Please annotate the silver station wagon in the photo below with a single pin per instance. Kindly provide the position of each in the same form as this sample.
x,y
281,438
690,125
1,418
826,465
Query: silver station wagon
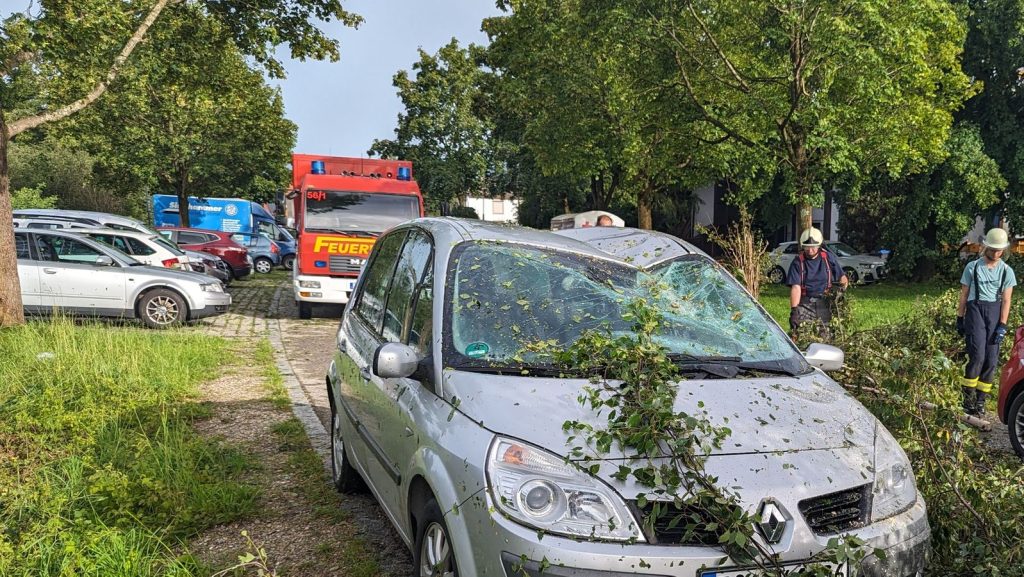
x,y
459,433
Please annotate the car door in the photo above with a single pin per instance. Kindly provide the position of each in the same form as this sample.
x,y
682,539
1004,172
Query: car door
x,y
360,389
32,298
401,404
71,273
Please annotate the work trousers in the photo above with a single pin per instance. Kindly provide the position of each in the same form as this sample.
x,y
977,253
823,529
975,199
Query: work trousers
x,y
815,312
980,323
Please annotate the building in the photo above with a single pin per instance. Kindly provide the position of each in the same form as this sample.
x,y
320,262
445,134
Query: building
x,y
496,209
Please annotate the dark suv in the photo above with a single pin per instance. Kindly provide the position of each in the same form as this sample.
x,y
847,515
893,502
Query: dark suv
x,y
213,242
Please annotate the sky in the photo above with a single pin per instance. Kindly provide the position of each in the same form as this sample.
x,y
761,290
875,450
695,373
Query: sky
x,y
341,107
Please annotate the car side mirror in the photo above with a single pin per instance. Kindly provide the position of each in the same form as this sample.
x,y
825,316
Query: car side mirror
x,y
103,260
825,357
394,361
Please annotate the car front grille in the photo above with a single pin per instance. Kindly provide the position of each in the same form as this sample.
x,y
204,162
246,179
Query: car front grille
x,y
674,525
837,512
346,264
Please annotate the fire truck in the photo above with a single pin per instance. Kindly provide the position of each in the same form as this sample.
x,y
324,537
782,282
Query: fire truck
x,y
339,207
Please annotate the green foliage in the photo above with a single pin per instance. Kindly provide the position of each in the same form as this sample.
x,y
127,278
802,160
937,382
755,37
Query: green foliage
x,y
65,171
31,198
439,130
974,496
102,472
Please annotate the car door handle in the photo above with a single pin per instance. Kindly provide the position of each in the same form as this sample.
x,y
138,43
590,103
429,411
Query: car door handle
x,y
50,270
365,373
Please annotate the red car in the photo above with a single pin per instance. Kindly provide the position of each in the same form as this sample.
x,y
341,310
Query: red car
x,y
1011,394
213,242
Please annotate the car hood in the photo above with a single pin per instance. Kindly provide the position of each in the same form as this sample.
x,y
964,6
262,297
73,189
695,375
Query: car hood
x,y
765,415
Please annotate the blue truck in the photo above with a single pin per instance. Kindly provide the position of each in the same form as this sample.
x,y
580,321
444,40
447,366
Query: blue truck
x,y
231,215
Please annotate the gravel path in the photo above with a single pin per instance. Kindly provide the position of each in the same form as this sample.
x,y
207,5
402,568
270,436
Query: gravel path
x,y
298,539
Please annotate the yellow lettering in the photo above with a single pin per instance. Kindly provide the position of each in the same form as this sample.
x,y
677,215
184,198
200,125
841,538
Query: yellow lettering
x,y
336,245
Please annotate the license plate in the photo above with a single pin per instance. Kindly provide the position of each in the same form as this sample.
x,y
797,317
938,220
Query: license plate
x,y
835,571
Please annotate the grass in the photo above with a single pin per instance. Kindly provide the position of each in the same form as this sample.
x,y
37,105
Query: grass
x,y
100,470
871,305
273,380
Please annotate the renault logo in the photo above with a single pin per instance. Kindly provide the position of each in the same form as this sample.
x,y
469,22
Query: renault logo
x,y
771,522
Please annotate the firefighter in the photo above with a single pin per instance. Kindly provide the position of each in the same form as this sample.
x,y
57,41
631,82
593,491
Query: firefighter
x,y
811,277
985,290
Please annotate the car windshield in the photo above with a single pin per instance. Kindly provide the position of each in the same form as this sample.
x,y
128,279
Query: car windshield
x,y
504,297
169,246
842,249
355,212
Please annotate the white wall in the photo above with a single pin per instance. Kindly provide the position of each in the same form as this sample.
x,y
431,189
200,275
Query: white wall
x,y
494,209
706,207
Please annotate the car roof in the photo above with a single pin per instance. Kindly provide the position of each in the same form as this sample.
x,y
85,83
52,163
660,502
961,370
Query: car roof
x,y
62,213
452,231
643,248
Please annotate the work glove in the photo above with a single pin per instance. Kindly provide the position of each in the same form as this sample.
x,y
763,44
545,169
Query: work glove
x,y
960,326
794,318
999,335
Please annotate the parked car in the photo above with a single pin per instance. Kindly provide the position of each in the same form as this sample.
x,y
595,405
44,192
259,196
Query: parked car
x,y
265,253
76,218
1010,404
47,223
70,273
458,430
859,267
213,242
155,250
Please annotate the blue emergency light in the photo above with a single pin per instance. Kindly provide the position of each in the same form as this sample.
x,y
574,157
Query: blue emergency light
x,y
318,167
320,264
404,173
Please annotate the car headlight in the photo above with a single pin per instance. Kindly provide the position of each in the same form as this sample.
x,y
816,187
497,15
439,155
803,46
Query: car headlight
x,y
895,490
213,288
539,489
309,284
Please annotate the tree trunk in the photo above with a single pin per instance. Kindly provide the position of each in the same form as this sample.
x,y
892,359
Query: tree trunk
x,y
11,310
806,220
643,207
183,208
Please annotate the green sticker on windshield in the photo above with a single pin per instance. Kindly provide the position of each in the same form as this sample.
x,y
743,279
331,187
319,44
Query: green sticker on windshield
x,y
477,350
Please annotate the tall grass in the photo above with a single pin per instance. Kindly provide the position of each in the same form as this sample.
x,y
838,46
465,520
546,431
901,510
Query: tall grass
x,y
871,306
100,470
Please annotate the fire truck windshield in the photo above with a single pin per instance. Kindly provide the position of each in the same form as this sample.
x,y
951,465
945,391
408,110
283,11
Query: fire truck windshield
x,y
339,211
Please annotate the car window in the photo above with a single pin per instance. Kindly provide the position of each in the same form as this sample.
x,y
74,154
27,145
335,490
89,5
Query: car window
x,y
44,225
191,238
112,240
841,249
63,249
378,278
791,249
138,247
159,240
21,246
408,273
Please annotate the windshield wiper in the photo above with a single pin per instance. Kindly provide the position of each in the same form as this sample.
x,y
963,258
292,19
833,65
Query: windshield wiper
x,y
520,371
724,366
688,358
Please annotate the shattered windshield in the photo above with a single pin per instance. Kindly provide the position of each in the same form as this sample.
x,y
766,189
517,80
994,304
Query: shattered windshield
x,y
504,297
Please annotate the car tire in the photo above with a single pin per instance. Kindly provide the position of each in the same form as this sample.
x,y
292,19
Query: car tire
x,y
343,475
776,275
433,553
162,308
851,275
1015,425
305,310
288,262
263,265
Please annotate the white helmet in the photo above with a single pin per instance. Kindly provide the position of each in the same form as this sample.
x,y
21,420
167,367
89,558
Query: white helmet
x,y
811,237
996,239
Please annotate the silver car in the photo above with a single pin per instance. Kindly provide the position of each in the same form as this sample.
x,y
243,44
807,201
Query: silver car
x,y
859,267
68,272
431,392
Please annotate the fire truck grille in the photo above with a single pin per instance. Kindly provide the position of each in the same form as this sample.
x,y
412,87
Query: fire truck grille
x,y
346,264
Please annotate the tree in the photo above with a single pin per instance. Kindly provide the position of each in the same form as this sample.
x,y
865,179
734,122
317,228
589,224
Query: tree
x,y
439,130
82,46
814,90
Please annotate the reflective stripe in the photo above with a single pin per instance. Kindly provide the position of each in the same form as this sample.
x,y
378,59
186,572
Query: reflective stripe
x,y
971,383
984,387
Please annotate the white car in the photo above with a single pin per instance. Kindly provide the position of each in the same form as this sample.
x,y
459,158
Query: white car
x,y
151,249
858,267
61,271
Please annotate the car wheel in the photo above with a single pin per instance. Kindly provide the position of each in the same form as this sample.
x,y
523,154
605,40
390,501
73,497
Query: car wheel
x,y
162,308
433,555
263,265
305,310
288,262
776,275
1015,423
851,275
346,479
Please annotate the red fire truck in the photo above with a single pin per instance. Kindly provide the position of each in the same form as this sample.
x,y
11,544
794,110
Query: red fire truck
x,y
340,206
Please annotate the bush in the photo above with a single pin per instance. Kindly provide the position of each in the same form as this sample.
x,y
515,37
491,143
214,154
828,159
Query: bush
x,y
31,198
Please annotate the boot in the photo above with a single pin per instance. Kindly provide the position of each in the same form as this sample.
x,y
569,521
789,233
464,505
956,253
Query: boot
x,y
979,405
969,394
